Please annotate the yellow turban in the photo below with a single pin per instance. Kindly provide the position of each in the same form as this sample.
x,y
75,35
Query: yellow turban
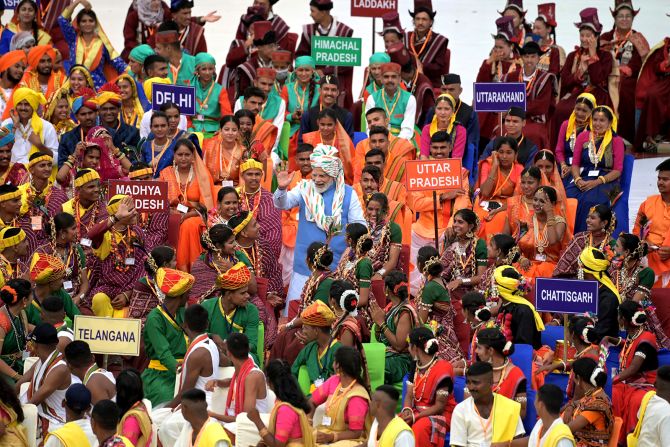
x,y
84,176
251,164
9,237
508,288
114,203
318,314
598,268
45,268
148,85
35,100
174,283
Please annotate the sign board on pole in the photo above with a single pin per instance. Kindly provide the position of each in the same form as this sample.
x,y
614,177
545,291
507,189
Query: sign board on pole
x,y
566,296
182,95
149,196
9,4
372,8
106,335
430,175
337,51
498,96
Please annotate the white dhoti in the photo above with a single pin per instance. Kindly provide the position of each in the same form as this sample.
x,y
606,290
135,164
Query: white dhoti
x,y
295,290
171,425
415,276
286,261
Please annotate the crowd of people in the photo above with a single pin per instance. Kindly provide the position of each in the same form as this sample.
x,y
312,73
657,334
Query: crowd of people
x,y
293,292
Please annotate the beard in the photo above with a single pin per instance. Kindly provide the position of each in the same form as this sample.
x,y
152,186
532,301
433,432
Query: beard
x,y
323,188
12,79
45,72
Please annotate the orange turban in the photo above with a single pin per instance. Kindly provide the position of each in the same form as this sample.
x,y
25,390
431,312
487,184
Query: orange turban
x,y
12,58
45,268
317,314
36,53
235,278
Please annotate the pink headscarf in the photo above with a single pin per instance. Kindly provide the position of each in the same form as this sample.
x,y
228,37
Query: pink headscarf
x,y
110,168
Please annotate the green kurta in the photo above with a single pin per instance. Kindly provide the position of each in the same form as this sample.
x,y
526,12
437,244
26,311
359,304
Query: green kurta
x,y
34,311
186,70
394,107
316,367
165,345
207,108
298,99
243,319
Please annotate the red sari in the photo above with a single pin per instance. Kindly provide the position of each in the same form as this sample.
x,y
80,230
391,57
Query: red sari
x,y
510,382
627,396
431,430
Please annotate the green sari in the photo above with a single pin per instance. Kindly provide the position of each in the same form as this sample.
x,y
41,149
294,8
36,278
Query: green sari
x,y
397,363
14,343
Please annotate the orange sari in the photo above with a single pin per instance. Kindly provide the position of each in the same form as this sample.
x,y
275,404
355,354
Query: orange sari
x,y
399,151
222,165
198,192
542,264
504,189
264,134
344,146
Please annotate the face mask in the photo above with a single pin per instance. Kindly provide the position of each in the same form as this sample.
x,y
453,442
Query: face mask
x,y
282,74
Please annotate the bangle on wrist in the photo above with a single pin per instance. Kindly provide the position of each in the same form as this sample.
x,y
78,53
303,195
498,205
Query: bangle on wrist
x,y
602,179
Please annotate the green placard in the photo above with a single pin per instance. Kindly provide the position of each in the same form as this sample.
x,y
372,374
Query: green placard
x,y
337,51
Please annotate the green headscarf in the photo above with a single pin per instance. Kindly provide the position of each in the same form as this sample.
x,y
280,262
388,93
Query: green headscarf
x,y
305,61
380,58
204,58
141,52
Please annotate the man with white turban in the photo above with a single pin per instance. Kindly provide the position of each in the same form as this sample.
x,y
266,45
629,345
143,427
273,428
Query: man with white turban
x,y
326,205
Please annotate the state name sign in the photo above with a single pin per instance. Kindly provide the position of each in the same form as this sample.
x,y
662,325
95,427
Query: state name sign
x,y
182,95
372,8
498,96
149,196
430,175
566,296
9,4
337,51
105,335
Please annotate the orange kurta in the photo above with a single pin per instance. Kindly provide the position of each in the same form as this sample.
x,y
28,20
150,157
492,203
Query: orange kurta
x,y
399,151
289,218
197,193
654,216
505,186
344,146
422,203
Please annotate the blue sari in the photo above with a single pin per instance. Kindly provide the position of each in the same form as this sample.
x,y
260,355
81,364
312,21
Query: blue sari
x,y
601,194
167,156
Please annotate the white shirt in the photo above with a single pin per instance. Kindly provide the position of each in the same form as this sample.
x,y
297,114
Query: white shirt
x,y
466,426
655,430
532,439
85,425
404,439
278,122
145,124
21,148
407,125
7,94
287,200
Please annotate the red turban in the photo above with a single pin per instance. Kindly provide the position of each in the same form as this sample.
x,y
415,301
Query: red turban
x,y
36,53
12,58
